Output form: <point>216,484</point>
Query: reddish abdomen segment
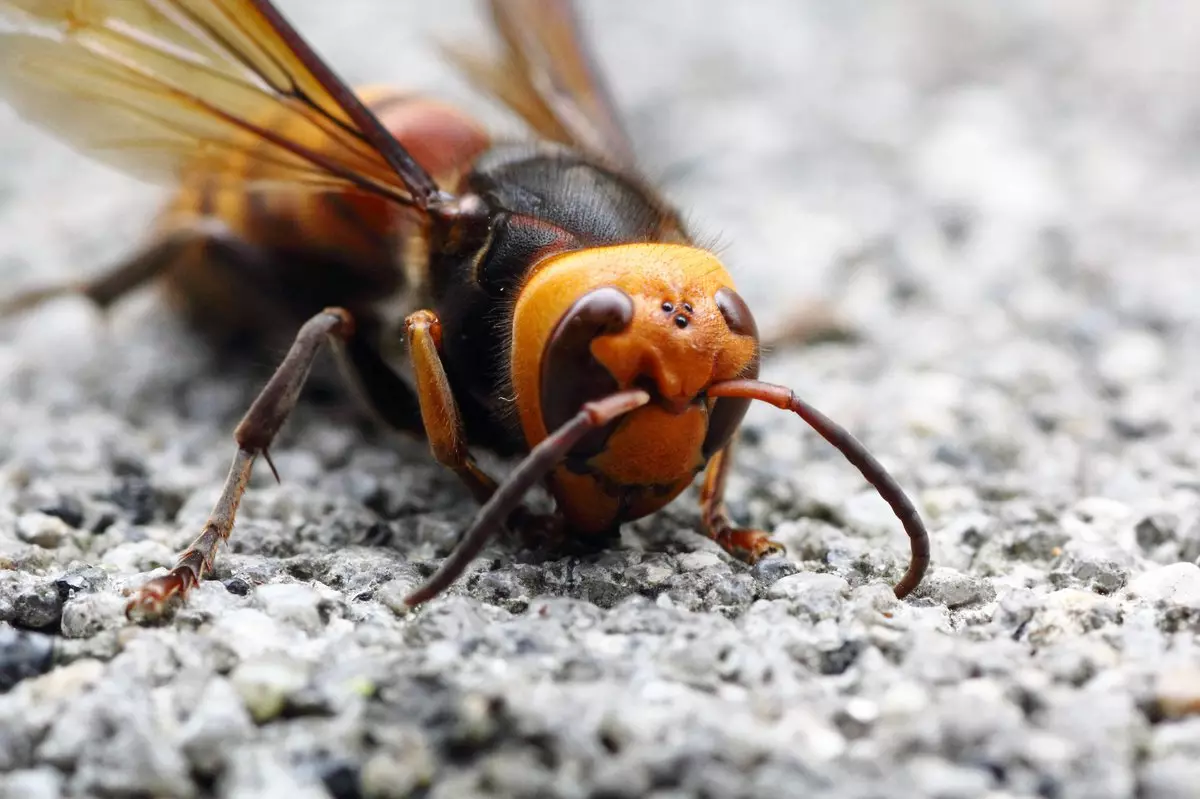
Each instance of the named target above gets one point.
<point>319,247</point>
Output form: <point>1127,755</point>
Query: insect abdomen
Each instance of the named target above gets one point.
<point>308,249</point>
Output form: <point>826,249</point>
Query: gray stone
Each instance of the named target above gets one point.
<point>1172,778</point>
<point>947,780</point>
<point>1155,530</point>
<point>38,607</point>
<point>393,593</point>
<point>1013,281</point>
<point>112,742</point>
<point>403,765</point>
<point>954,589</point>
<point>1069,613</point>
<point>815,595</point>
<point>215,728</point>
<point>1103,569</point>
<point>1130,357</point>
<point>1177,585</point>
<point>256,772</point>
<point>266,683</point>
<point>89,614</point>
<point>1189,542</point>
<point>22,654</point>
<point>1177,691</point>
<point>41,783</point>
<point>292,603</point>
<point>47,532</point>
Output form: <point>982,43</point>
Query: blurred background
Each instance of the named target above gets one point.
<point>808,137</point>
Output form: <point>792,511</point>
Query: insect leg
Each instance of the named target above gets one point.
<point>254,436</point>
<point>136,271</point>
<point>871,469</point>
<point>743,544</point>
<point>537,464</point>
<point>439,411</point>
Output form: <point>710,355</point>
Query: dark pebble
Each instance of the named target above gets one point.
<point>23,654</point>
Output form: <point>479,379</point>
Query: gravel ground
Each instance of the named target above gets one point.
<point>998,197</point>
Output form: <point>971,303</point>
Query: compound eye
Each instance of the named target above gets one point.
<point>736,313</point>
<point>727,412</point>
<point>571,375</point>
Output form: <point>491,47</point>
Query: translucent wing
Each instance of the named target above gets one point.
<point>161,88</point>
<point>548,76</point>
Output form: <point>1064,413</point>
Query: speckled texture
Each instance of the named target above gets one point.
<point>999,197</point>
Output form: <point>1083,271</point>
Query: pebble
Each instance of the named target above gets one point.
<point>1177,585</point>
<point>1103,569</point>
<point>216,726</point>
<point>291,603</point>
<point>87,615</point>
<point>45,531</point>
<point>1130,357</point>
<point>40,783</point>
<point>265,684</point>
<point>816,595</point>
<point>257,772</point>
<point>1155,530</point>
<point>38,607</point>
<point>1172,778</point>
<point>23,654</point>
<point>403,767</point>
<point>1177,692</point>
<point>1069,613</point>
<point>697,561</point>
<point>954,589</point>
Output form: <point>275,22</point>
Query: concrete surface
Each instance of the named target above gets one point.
<point>1000,197</point>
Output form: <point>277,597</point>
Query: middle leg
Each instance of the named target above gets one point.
<point>254,436</point>
<point>744,544</point>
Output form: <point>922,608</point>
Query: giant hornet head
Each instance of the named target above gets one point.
<point>663,318</point>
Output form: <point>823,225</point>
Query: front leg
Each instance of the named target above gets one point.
<point>254,436</point>
<point>439,410</point>
<point>744,544</point>
<point>447,436</point>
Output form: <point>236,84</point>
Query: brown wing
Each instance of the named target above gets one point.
<point>159,88</point>
<point>548,76</point>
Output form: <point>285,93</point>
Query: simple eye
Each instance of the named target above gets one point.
<point>737,315</point>
<point>667,307</point>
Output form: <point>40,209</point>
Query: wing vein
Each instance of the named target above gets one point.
<point>292,90</point>
<point>170,89</point>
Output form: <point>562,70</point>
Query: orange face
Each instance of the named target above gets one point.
<point>663,317</point>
